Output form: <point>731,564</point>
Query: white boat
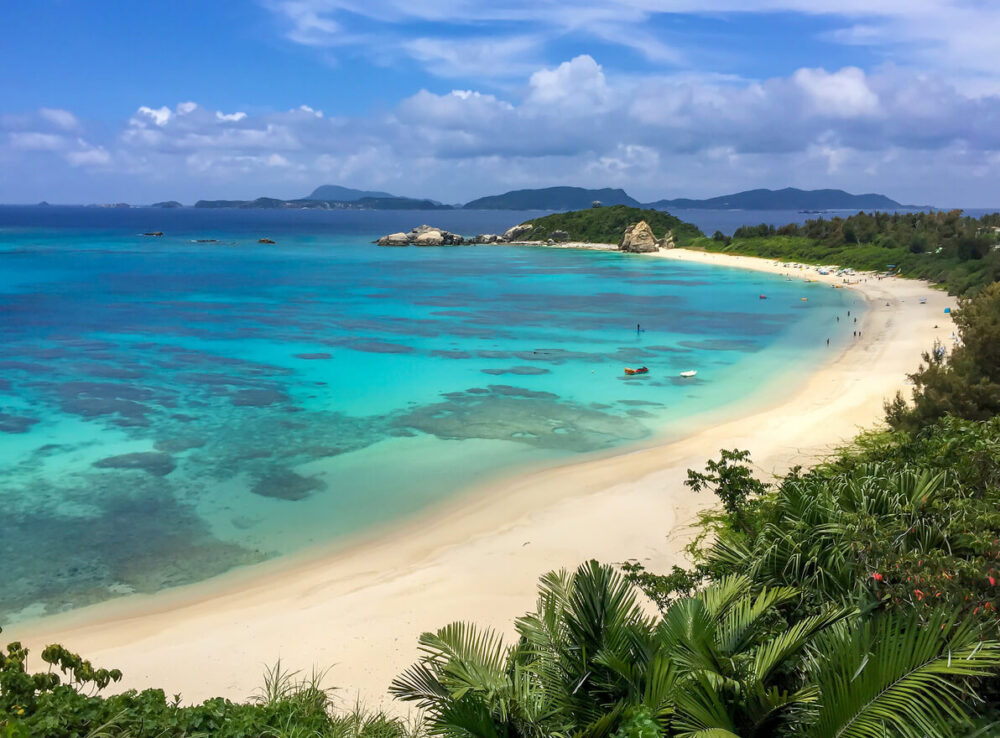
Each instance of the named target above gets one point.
<point>690,373</point>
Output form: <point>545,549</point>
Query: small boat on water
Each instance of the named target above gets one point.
<point>689,373</point>
<point>805,299</point>
<point>640,370</point>
<point>763,297</point>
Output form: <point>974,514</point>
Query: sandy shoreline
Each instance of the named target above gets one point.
<point>361,610</point>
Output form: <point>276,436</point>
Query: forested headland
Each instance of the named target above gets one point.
<point>956,251</point>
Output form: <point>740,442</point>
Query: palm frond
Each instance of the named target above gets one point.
<point>900,676</point>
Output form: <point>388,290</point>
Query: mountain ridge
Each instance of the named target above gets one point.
<point>338,193</point>
<point>552,198</point>
<point>788,198</point>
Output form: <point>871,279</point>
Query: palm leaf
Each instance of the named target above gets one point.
<point>900,676</point>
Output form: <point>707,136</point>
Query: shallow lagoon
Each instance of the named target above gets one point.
<point>170,410</point>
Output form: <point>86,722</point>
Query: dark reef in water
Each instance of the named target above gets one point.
<point>519,370</point>
<point>15,423</point>
<point>284,484</point>
<point>503,412</point>
<point>151,462</point>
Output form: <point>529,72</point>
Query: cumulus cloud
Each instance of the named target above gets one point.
<point>579,83</point>
<point>844,93</point>
<point>159,116</point>
<point>230,117</point>
<point>571,123</point>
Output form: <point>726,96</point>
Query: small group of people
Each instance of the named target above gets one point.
<point>857,334</point>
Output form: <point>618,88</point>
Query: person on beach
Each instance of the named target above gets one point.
<point>828,342</point>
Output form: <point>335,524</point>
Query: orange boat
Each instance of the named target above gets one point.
<point>640,370</point>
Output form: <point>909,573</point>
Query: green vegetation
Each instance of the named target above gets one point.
<point>62,702</point>
<point>726,662</point>
<point>608,224</point>
<point>964,384</point>
<point>958,252</point>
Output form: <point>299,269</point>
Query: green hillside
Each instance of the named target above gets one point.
<point>551,198</point>
<point>607,224</point>
<point>960,253</point>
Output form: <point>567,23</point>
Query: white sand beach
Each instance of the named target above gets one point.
<point>361,610</point>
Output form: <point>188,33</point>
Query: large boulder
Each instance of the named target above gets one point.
<point>559,236</point>
<point>424,235</point>
<point>486,238</point>
<point>667,242</point>
<point>639,239</point>
<point>394,239</point>
<point>517,232</point>
<point>429,238</point>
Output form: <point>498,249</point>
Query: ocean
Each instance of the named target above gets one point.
<point>173,408</point>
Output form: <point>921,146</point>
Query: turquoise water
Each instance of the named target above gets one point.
<point>170,410</point>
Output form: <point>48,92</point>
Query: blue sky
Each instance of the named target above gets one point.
<point>453,99</point>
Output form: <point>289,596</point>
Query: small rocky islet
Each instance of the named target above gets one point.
<point>627,229</point>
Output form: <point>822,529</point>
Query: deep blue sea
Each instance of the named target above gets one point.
<point>171,409</point>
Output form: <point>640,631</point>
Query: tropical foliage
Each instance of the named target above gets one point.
<point>64,702</point>
<point>964,383</point>
<point>956,251</point>
<point>608,224</point>
<point>724,663</point>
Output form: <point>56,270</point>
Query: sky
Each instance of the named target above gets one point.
<point>105,101</point>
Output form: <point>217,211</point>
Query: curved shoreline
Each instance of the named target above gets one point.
<point>362,608</point>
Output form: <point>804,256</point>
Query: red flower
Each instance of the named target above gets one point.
<point>877,577</point>
<point>993,582</point>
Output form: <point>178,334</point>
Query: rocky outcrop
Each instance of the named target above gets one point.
<point>429,238</point>
<point>559,236</point>
<point>517,232</point>
<point>394,239</point>
<point>667,242</point>
<point>487,238</point>
<point>424,235</point>
<point>639,239</point>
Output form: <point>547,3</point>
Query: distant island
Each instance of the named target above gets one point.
<point>363,203</point>
<point>552,198</point>
<point>346,194</point>
<point>563,199</point>
<point>788,198</point>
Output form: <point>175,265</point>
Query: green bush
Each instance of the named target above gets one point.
<point>608,224</point>
<point>64,702</point>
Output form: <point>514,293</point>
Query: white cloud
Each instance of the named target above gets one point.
<point>88,156</point>
<point>185,108</point>
<point>841,94</point>
<point>35,141</point>
<point>658,136</point>
<point>230,117</point>
<point>578,83</point>
<point>59,118</point>
<point>159,116</point>
<point>961,36</point>
<point>479,57</point>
